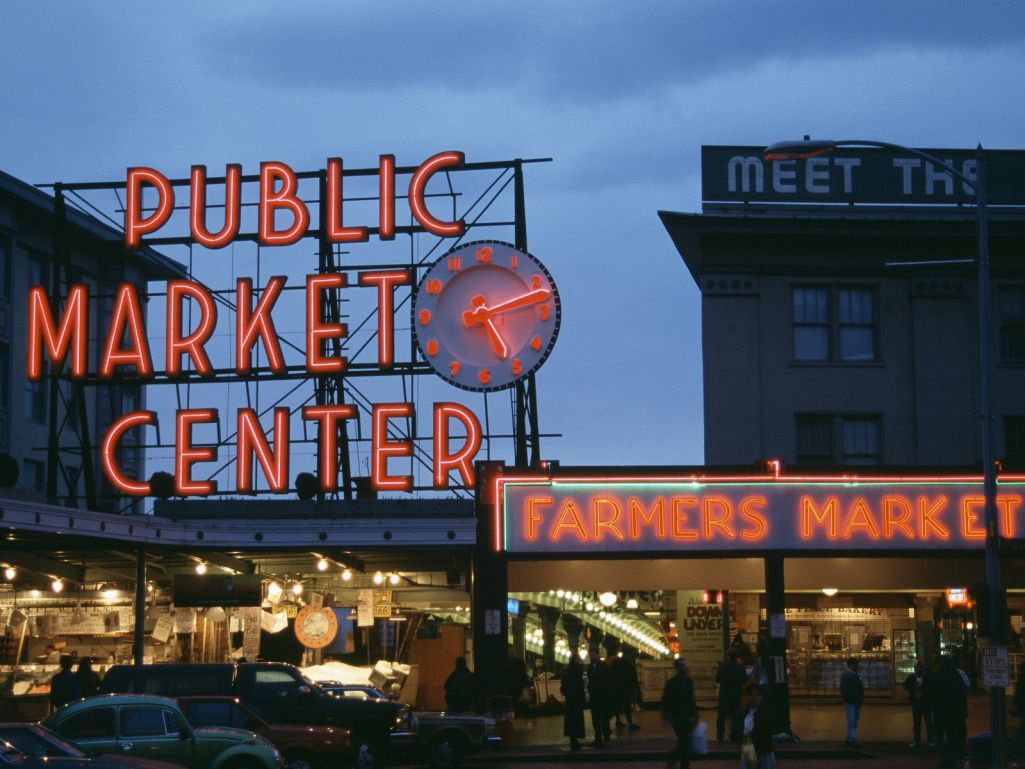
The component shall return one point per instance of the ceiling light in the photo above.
(393, 579)
(378, 578)
(149, 587)
(830, 591)
(110, 594)
(346, 575)
(608, 599)
(200, 568)
(322, 564)
(297, 589)
(10, 574)
(631, 603)
(56, 586)
(273, 591)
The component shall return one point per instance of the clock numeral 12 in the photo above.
(483, 253)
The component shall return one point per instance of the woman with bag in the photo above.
(680, 710)
(757, 750)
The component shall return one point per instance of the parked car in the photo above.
(283, 696)
(442, 738)
(39, 746)
(304, 747)
(149, 727)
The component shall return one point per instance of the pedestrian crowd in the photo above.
(70, 685)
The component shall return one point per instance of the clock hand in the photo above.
(480, 315)
(523, 300)
(501, 350)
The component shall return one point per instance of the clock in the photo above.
(315, 627)
(486, 315)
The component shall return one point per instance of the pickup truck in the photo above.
(282, 695)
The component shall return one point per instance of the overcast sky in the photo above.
(620, 94)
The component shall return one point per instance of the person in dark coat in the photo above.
(680, 711)
(572, 689)
(624, 684)
(65, 686)
(88, 679)
(730, 677)
(459, 688)
(852, 692)
(758, 728)
(918, 685)
(742, 649)
(950, 711)
(599, 687)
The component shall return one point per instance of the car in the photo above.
(40, 746)
(147, 726)
(283, 695)
(304, 747)
(442, 738)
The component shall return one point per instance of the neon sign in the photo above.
(723, 514)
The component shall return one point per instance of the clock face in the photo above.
(486, 315)
(315, 628)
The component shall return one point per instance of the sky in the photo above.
(620, 95)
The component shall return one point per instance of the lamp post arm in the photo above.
(960, 176)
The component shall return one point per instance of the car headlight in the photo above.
(403, 720)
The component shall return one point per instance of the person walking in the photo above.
(88, 679)
(918, 685)
(757, 732)
(730, 677)
(624, 684)
(950, 711)
(680, 711)
(852, 692)
(572, 689)
(599, 688)
(459, 688)
(65, 686)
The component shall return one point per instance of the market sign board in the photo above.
(858, 175)
(699, 514)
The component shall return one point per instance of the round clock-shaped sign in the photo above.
(315, 628)
(486, 315)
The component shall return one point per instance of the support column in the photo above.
(139, 644)
(549, 617)
(779, 688)
(489, 590)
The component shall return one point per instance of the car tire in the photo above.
(300, 759)
(445, 751)
(366, 755)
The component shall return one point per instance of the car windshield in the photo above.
(32, 743)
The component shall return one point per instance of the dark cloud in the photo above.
(577, 51)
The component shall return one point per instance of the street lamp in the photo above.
(808, 148)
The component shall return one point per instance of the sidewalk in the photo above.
(884, 735)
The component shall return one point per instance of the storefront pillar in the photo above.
(139, 645)
(549, 618)
(489, 591)
(776, 643)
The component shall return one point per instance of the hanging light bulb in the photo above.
(273, 592)
(201, 568)
(608, 599)
(346, 575)
(10, 574)
(56, 586)
(631, 603)
(297, 589)
(393, 579)
(378, 578)
(149, 587)
(322, 564)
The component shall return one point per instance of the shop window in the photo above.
(838, 439)
(834, 324)
(1011, 302)
(96, 723)
(142, 722)
(1014, 440)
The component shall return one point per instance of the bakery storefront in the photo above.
(885, 569)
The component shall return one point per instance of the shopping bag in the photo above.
(748, 755)
(699, 739)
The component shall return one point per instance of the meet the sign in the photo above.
(851, 175)
(691, 515)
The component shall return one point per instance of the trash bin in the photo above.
(500, 708)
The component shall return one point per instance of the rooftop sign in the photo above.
(700, 514)
(740, 175)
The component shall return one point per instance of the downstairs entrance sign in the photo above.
(693, 514)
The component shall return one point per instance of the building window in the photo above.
(1014, 440)
(834, 323)
(35, 475)
(838, 439)
(1012, 324)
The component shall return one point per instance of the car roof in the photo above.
(121, 699)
